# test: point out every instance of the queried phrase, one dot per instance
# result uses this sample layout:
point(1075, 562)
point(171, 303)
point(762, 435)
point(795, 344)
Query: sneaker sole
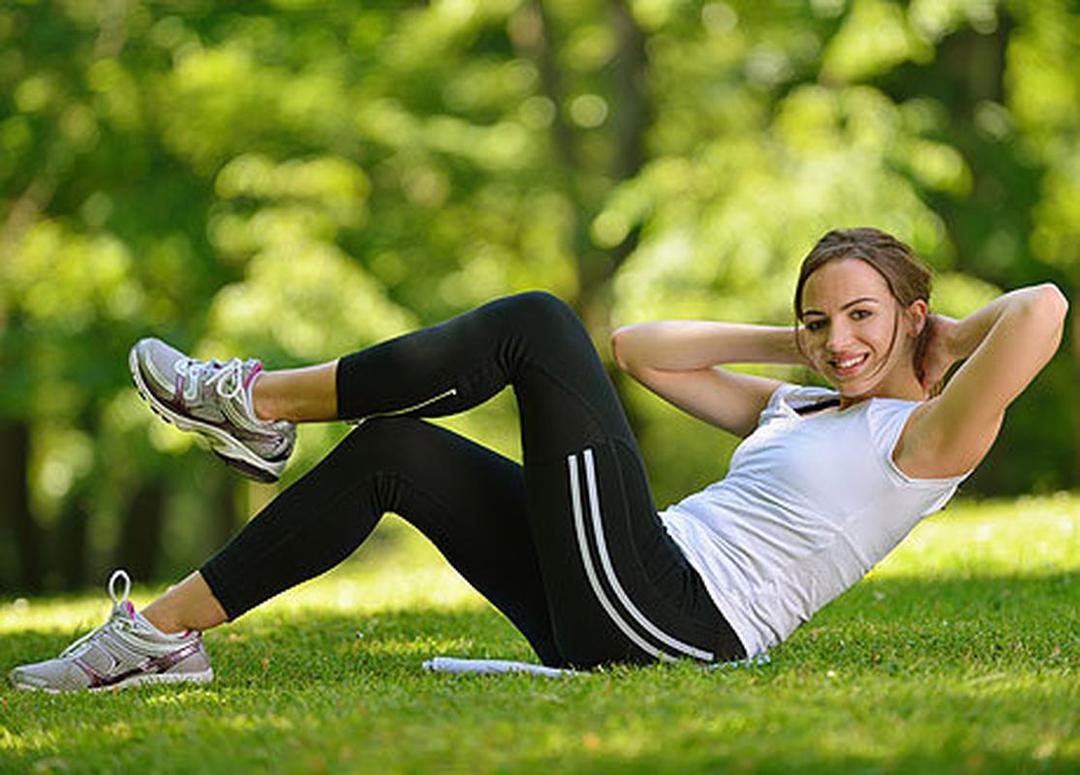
point(222, 443)
point(203, 677)
point(245, 468)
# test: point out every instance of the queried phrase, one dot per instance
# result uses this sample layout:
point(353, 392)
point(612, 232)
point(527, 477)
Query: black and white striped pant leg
point(619, 589)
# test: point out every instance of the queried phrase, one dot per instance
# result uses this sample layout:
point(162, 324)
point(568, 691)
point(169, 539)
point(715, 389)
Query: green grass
point(960, 653)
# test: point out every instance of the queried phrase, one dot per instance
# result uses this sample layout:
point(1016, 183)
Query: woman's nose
point(839, 336)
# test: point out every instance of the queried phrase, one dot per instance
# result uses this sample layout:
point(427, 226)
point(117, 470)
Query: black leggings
point(568, 546)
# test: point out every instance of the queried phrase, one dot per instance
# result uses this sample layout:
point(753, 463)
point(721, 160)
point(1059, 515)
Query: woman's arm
point(677, 360)
point(1005, 344)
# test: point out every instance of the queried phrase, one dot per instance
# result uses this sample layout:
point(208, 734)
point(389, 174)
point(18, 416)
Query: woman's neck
point(903, 386)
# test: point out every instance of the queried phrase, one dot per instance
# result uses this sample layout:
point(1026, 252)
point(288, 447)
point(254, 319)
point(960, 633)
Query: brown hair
point(908, 277)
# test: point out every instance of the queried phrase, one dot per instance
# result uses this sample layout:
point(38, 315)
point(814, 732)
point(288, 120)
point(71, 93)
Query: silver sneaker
point(125, 651)
point(213, 398)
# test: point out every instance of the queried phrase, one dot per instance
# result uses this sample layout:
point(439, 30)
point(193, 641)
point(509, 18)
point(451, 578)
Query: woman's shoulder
point(890, 421)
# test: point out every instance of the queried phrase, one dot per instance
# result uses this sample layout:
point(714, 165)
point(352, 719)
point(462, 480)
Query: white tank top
point(810, 503)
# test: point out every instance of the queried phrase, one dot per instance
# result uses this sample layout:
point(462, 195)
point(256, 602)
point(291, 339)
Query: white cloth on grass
point(491, 666)
point(495, 666)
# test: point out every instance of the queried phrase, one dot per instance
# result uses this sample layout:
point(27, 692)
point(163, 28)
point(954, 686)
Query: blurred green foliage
point(296, 180)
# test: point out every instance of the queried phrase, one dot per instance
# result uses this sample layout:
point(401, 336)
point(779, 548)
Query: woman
point(569, 545)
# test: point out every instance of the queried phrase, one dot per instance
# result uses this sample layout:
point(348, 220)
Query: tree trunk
point(631, 112)
point(226, 513)
point(630, 117)
point(534, 37)
point(1076, 376)
point(71, 545)
point(15, 503)
point(140, 536)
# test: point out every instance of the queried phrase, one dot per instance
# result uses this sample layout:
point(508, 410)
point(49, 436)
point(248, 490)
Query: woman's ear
point(917, 313)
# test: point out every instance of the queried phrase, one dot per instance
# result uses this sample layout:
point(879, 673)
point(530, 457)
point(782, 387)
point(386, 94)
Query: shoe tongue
point(129, 609)
point(251, 369)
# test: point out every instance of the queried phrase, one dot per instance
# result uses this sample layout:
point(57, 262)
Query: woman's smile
point(848, 366)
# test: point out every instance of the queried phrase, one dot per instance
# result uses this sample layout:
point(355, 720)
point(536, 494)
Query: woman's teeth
point(850, 363)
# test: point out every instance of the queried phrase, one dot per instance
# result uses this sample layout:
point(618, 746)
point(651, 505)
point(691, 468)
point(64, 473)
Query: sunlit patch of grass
point(52, 615)
point(1028, 536)
point(364, 592)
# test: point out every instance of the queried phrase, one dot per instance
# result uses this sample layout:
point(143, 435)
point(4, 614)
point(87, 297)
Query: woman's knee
point(541, 309)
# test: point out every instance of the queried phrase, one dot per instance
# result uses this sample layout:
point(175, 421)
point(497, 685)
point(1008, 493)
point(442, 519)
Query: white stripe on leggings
point(609, 571)
point(590, 571)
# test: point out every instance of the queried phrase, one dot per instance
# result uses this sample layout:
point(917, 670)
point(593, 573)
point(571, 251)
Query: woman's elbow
point(1048, 305)
point(620, 346)
point(1052, 301)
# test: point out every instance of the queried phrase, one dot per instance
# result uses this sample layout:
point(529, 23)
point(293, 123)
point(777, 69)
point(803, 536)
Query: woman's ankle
point(307, 394)
point(190, 605)
point(262, 400)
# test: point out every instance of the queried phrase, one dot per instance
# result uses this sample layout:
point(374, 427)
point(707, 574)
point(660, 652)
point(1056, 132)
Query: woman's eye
point(861, 314)
point(815, 325)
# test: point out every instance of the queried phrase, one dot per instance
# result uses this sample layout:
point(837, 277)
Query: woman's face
point(849, 322)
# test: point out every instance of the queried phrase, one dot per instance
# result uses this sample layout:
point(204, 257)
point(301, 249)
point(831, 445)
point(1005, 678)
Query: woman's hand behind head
point(938, 355)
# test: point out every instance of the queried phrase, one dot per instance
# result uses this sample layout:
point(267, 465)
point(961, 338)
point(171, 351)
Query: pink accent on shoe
point(179, 391)
point(130, 609)
point(151, 666)
point(251, 376)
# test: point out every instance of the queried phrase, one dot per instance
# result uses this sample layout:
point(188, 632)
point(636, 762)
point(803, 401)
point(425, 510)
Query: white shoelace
point(87, 639)
point(227, 377)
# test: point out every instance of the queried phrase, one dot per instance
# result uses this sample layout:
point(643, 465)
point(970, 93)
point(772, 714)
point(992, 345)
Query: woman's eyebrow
point(851, 303)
